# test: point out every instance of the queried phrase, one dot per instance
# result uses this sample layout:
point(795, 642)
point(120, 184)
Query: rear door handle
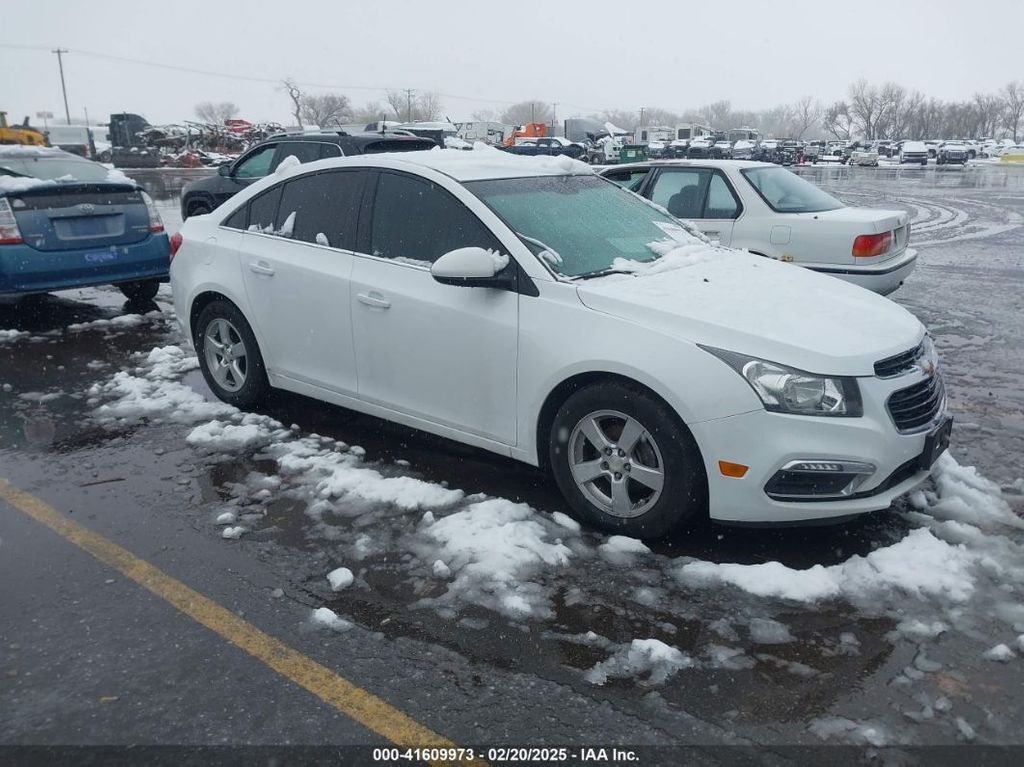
point(261, 267)
point(374, 299)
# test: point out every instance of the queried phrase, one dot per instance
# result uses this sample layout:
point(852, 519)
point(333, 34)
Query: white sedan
point(529, 307)
point(772, 212)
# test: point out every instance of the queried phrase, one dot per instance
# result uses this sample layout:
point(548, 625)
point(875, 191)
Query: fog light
point(809, 480)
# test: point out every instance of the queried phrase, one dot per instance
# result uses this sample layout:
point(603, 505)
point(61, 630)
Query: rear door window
point(263, 211)
point(721, 202)
point(681, 191)
point(321, 208)
point(329, 150)
point(418, 221)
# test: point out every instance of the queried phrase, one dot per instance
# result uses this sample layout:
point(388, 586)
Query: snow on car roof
point(482, 162)
point(17, 150)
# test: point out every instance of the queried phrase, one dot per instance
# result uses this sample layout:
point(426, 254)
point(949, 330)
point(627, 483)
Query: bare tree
point(806, 112)
point(486, 116)
point(527, 111)
point(326, 110)
point(295, 94)
point(865, 107)
point(659, 116)
point(990, 110)
point(1013, 109)
point(372, 112)
point(838, 121)
point(427, 106)
point(216, 112)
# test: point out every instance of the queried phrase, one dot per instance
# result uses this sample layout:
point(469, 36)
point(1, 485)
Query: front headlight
point(784, 389)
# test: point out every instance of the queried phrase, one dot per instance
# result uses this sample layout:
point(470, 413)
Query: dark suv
point(204, 195)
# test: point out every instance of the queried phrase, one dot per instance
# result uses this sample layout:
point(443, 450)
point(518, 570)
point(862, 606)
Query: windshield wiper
point(602, 273)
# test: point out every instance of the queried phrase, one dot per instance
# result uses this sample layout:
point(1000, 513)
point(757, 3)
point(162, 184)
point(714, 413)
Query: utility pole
point(63, 87)
point(408, 104)
point(554, 115)
point(642, 110)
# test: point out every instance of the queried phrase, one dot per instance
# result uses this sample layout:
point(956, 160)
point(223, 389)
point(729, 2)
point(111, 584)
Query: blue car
point(67, 222)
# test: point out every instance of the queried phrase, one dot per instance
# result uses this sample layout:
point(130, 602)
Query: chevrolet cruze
point(531, 308)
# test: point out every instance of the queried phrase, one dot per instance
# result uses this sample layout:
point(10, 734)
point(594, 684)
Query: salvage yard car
point(915, 151)
point(531, 308)
point(202, 196)
point(67, 222)
point(772, 212)
point(952, 153)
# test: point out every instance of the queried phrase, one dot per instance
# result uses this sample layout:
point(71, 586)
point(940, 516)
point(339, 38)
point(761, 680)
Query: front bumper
point(766, 442)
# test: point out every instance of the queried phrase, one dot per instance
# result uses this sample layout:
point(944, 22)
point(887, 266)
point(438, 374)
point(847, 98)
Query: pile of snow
point(620, 550)
point(150, 391)
point(325, 617)
point(768, 631)
point(337, 473)
point(848, 731)
point(340, 578)
point(11, 335)
point(493, 549)
point(920, 565)
point(222, 436)
point(651, 661)
point(963, 495)
point(121, 321)
point(672, 256)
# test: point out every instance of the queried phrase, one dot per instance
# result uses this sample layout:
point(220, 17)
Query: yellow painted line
point(348, 698)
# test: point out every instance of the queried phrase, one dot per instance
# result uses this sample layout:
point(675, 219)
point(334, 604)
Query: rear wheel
point(229, 355)
point(625, 463)
point(144, 290)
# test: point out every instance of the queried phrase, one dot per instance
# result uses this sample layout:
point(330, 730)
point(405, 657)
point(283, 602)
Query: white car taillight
point(156, 224)
point(9, 232)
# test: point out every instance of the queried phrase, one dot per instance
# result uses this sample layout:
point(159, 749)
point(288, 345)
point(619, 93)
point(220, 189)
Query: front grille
point(917, 405)
point(898, 364)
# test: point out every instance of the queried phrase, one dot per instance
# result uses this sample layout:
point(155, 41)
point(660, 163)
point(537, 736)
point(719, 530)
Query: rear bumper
point(883, 278)
point(26, 270)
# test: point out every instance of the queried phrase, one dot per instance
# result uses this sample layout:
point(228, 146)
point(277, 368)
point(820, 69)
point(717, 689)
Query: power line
point(267, 80)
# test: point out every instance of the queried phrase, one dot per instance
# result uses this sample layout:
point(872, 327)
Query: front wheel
point(625, 463)
point(145, 290)
point(229, 356)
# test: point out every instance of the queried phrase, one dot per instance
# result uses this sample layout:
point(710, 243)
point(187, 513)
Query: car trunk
point(80, 216)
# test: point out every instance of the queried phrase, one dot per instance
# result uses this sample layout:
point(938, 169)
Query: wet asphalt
point(87, 657)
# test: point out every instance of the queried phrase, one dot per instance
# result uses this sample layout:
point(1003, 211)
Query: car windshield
point(584, 223)
point(788, 193)
point(51, 168)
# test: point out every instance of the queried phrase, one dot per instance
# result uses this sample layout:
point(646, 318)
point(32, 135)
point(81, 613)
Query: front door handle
point(261, 267)
point(374, 299)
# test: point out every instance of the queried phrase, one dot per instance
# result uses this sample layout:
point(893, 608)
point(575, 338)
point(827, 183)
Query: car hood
point(868, 220)
point(764, 308)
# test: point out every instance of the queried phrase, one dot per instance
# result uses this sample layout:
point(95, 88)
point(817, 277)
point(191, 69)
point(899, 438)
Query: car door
point(685, 192)
point(250, 168)
point(437, 352)
point(296, 259)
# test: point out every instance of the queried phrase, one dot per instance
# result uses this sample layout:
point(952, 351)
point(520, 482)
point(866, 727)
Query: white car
point(531, 308)
point(772, 212)
point(864, 156)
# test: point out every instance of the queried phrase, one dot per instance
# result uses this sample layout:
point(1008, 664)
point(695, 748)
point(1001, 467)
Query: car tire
point(144, 290)
point(644, 489)
point(229, 356)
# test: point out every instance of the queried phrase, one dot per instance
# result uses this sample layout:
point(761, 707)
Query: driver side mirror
point(225, 170)
point(474, 267)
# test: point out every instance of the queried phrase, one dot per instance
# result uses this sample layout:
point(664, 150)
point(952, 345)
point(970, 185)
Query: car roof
point(18, 152)
point(701, 163)
point(343, 137)
point(481, 163)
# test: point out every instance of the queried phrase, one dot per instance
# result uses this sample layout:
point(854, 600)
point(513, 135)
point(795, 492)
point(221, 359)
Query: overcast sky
point(587, 56)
